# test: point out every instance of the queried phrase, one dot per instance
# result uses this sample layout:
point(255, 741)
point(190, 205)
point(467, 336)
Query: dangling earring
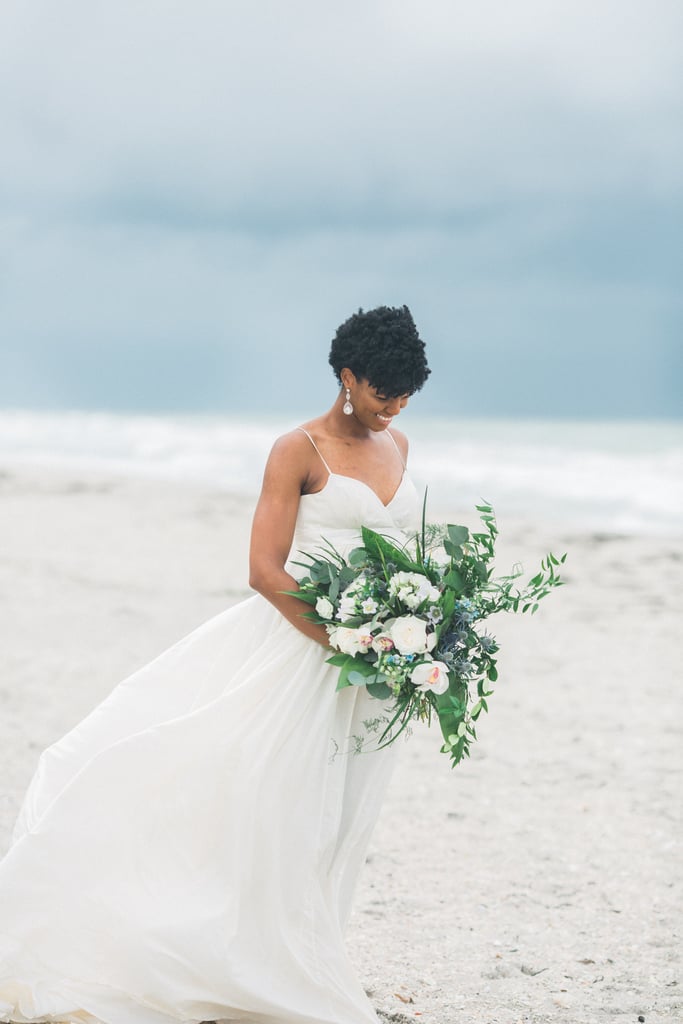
point(347, 407)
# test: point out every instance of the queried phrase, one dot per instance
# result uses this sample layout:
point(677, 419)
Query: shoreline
point(612, 476)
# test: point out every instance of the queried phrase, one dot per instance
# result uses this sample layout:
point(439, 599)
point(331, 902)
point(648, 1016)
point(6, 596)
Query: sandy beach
point(538, 882)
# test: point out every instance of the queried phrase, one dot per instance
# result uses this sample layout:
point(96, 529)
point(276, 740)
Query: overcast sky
point(194, 195)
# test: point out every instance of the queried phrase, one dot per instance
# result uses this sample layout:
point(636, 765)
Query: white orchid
point(430, 676)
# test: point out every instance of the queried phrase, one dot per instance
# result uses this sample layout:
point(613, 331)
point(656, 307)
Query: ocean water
point(623, 477)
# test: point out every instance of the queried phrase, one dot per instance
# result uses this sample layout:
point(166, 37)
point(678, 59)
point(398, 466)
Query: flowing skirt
point(189, 851)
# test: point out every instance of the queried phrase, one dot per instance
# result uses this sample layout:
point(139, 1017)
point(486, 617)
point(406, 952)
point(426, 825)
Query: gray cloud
point(191, 194)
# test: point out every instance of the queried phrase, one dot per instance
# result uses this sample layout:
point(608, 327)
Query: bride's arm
point(272, 532)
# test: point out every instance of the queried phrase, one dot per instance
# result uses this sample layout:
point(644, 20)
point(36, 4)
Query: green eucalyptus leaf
point(379, 690)
point(453, 551)
point(339, 659)
point(344, 680)
point(362, 666)
point(455, 580)
point(458, 534)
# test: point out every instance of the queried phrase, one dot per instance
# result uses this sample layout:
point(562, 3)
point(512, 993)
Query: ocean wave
point(623, 477)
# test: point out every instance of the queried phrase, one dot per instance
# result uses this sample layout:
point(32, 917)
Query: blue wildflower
point(488, 642)
point(466, 610)
point(452, 641)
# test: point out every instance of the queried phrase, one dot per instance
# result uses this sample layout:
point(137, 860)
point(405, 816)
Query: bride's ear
point(348, 378)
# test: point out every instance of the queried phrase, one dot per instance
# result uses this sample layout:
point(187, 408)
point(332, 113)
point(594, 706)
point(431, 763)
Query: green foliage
point(379, 690)
point(458, 535)
point(459, 564)
point(381, 549)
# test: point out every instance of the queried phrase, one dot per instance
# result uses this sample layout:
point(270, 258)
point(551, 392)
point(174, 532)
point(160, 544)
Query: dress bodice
point(338, 511)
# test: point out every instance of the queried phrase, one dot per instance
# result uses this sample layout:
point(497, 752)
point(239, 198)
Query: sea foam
point(624, 477)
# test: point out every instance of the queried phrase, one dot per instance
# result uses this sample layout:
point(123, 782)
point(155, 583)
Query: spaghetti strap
point(318, 450)
point(397, 449)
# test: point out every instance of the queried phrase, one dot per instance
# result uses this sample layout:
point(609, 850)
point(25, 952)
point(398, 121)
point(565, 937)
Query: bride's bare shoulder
point(402, 442)
point(292, 454)
point(295, 442)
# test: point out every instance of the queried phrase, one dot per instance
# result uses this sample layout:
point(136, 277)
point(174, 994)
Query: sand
point(540, 880)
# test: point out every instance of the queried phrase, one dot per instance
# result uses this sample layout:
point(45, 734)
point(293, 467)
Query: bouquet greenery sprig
point(406, 622)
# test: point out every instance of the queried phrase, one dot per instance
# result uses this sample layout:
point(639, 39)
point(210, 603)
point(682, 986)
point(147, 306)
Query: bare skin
point(352, 446)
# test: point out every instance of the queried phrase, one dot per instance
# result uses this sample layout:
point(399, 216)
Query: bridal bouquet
point(406, 621)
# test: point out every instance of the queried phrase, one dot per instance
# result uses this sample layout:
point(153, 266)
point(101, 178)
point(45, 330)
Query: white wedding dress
point(189, 851)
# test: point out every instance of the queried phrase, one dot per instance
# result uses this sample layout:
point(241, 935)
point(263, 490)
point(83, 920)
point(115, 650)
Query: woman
point(188, 852)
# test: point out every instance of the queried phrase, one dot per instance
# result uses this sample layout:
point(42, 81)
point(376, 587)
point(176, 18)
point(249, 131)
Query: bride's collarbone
point(381, 474)
point(379, 468)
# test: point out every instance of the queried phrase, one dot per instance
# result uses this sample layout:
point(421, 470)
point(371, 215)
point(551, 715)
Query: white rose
point(350, 641)
point(324, 608)
point(409, 634)
point(430, 675)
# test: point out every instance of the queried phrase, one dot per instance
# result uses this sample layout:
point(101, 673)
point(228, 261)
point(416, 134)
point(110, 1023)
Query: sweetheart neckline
point(344, 476)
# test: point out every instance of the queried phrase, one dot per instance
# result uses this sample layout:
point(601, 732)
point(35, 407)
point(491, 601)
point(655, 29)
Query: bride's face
point(373, 408)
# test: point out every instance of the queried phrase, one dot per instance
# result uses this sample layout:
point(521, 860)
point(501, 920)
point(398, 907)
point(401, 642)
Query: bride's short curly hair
point(383, 347)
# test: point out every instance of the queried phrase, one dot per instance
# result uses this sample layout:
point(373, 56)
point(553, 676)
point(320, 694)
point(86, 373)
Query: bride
point(188, 852)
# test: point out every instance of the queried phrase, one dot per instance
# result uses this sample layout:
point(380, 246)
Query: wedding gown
point(188, 852)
